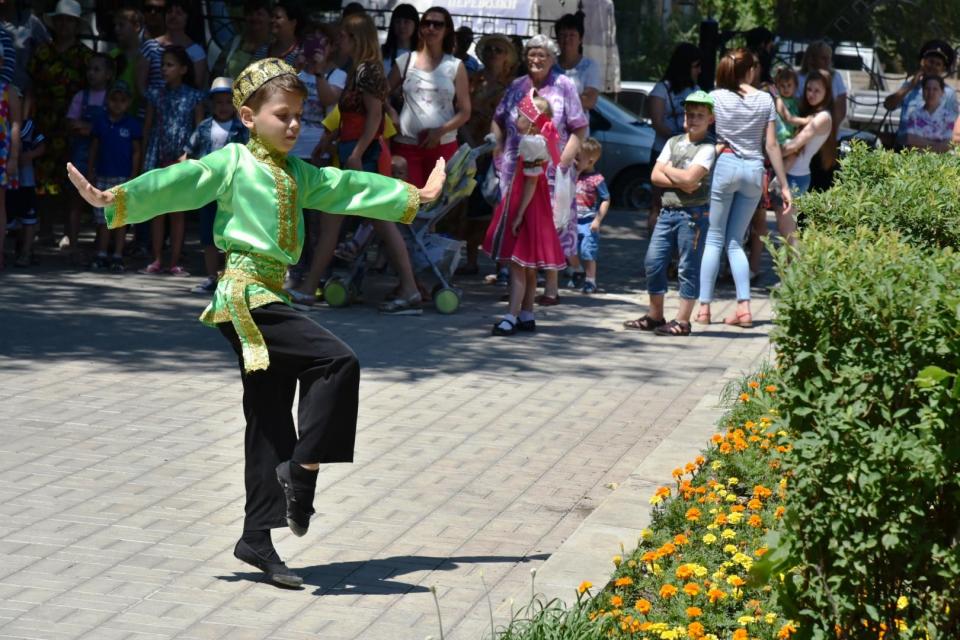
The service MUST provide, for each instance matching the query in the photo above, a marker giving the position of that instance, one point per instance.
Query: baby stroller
(428, 249)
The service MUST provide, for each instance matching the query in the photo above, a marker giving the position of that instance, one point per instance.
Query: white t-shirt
(388, 62)
(801, 166)
(427, 98)
(218, 134)
(311, 125)
(585, 74)
(672, 111)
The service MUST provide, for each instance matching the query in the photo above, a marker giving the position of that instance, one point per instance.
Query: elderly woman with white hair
(540, 55)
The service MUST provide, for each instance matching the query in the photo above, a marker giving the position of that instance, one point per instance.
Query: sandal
(299, 297)
(500, 331)
(644, 323)
(673, 328)
(702, 318)
(742, 320)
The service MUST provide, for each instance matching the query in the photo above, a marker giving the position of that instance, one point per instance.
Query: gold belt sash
(243, 270)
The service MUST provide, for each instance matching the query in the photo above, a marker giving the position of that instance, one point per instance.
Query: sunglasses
(433, 24)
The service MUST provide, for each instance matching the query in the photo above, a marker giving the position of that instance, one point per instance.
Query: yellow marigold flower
(709, 538)
(770, 618)
(713, 526)
(695, 630)
(902, 603)
(743, 560)
(625, 581)
(586, 584)
(669, 635)
(668, 591)
(753, 384)
(693, 514)
(691, 589)
(732, 482)
(744, 397)
(646, 534)
(749, 424)
(735, 518)
(730, 497)
(617, 560)
(745, 620)
(741, 634)
(786, 631)
(694, 612)
(699, 570)
(735, 581)
(616, 601)
(643, 606)
(715, 465)
(728, 534)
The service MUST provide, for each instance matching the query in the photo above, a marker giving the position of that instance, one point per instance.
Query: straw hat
(502, 40)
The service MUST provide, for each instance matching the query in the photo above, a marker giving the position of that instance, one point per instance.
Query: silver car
(625, 163)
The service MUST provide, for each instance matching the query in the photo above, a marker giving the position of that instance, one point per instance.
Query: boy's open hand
(87, 191)
(431, 191)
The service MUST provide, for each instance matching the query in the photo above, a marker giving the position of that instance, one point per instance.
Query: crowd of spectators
(156, 95)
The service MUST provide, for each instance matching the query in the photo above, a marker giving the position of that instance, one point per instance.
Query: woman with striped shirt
(746, 125)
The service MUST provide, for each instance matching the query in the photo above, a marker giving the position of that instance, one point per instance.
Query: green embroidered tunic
(260, 198)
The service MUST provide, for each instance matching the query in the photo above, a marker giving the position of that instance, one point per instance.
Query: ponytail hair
(734, 68)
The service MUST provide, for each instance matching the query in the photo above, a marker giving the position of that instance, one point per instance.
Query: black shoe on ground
(299, 499)
(527, 325)
(277, 572)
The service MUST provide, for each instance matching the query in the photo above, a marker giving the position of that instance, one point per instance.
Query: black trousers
(329, 376)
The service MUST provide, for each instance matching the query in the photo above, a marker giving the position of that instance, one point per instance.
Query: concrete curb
(619, 519)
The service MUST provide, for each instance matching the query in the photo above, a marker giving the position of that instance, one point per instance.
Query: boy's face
(118, 103)
(277, 121)
(126, 30)
(787, 87)
(222, 106)
(696, 119)
(587, 161)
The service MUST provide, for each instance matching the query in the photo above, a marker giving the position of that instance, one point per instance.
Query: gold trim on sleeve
(120, 207)
(413, 204)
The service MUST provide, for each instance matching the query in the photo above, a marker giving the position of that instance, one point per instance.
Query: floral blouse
(173, 122)
(368, 77)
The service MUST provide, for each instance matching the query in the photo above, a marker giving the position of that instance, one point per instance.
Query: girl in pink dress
(522, 232)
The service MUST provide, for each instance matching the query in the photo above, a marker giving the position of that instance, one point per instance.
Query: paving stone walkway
(121, 455)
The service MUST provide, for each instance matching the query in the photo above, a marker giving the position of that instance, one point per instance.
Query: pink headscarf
(541, 123)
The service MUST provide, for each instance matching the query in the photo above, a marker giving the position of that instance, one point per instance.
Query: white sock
(526, 316)
(591, 280)
(507, 322)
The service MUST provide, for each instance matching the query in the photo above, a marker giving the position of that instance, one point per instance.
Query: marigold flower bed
(689, 576)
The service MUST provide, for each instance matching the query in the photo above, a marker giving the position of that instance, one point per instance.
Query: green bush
(868, 335)
(914, 193)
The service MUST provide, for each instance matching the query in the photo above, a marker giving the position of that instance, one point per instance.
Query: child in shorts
(683, 171)
(22, 201)
(593, 202)
(213, 133)
(115, 152)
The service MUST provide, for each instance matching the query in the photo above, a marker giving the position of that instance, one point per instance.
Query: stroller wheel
(335, 292)
(446, 300)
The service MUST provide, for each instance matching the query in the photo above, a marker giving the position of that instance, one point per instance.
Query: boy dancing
(260, 193)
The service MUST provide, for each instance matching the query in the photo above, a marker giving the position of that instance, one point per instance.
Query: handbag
(564, 192)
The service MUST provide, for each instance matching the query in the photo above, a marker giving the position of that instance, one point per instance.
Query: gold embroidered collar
(266, 154)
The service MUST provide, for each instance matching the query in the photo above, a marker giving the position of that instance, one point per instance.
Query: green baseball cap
(700, 97)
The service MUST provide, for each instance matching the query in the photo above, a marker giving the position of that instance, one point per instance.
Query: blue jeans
(799, 185)
(734, 196)
(685, 230)
(588, 242)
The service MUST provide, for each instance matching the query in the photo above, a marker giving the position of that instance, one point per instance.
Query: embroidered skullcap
(256, 75)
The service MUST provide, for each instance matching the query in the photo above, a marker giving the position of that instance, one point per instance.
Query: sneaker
(589, 287)
(178, 272)
(152, 269)
(99, 263)
(116, 265)
(209, 285)
(403, 307)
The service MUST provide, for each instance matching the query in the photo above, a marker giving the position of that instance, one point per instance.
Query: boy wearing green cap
(683, 172)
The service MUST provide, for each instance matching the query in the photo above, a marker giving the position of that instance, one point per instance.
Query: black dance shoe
(299, 499)
(277, 572)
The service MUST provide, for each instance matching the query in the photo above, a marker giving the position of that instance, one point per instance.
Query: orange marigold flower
(689, 467)
(749, 424)
(716, 438)
(586, 584)
(738, 508)
(668, 548)
(668, 591)
(736, 581)
(643, 606)
(744, 397)
(676, 473)
(754, 504)
(616, 601)
(691, 589)
(694, 612)
(740, 634)
(755, 521)
(770, 388)
(725, 448)
(721, 519)
(684, 571)
(753, 384)
(700, 460)
(716, 594)
(786, 631)
(778, 512)
(680, 539)
(695, 630)
(759, 552)
(662, 492)
(625, 581)
(761, 492)
(648, 557)
(693, 514)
